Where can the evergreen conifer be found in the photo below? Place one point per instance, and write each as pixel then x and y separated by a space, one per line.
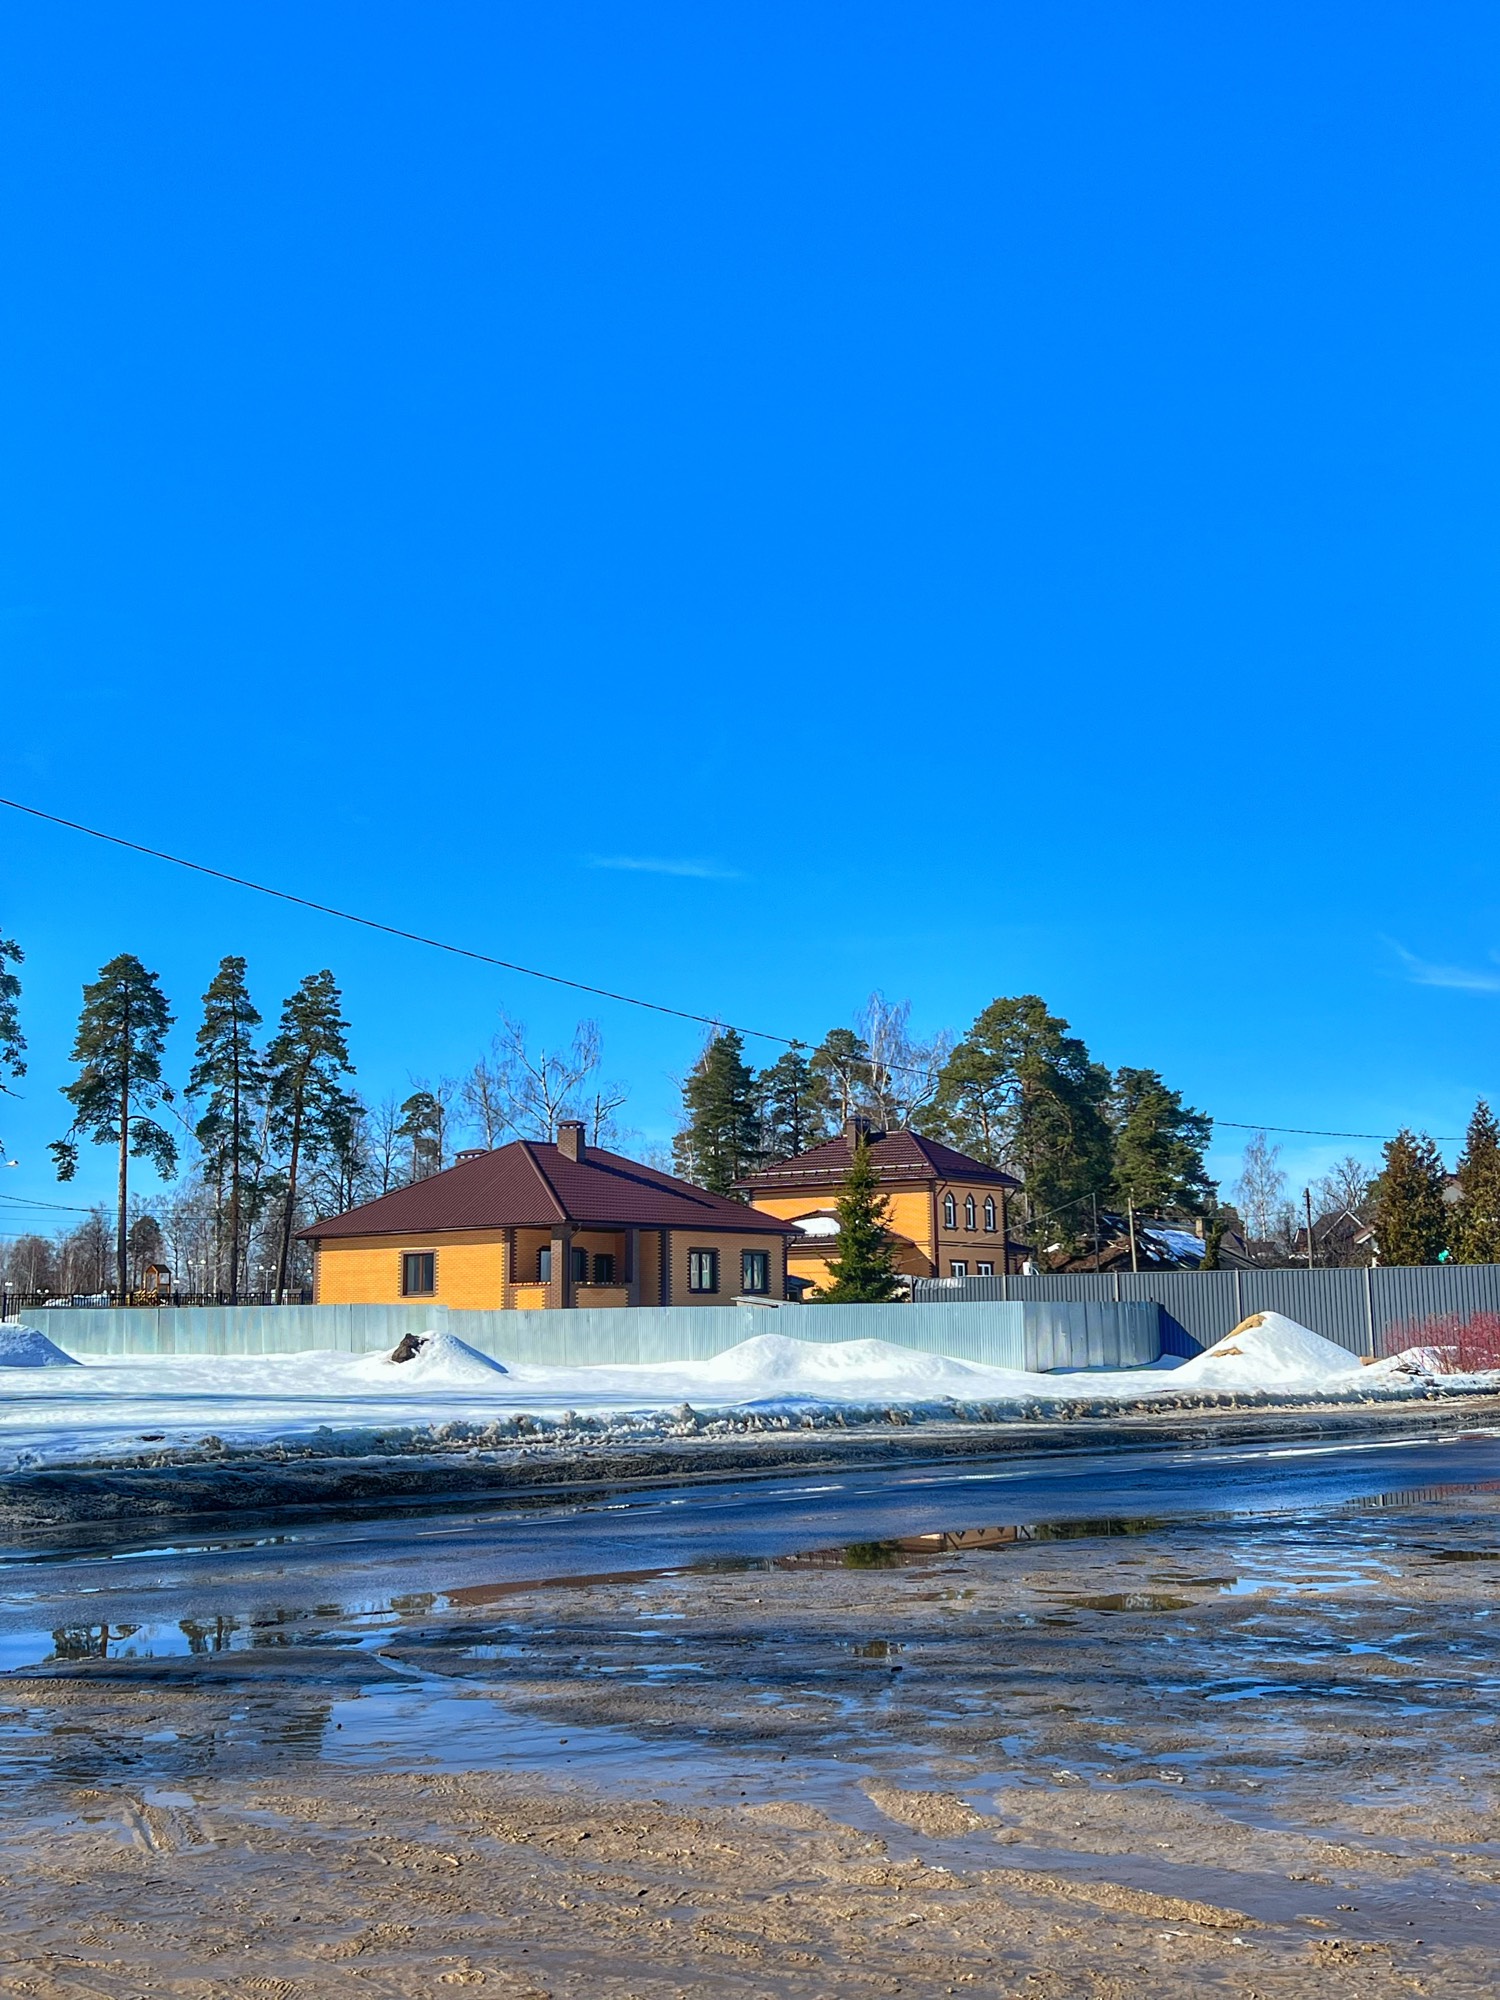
pixel 864 1271
pixel 1475 1230
pixel 720 1141
pixel 1159 1145
pixel 12 1041
pixel 790 1107
pixel 306 1101
pixel 229 1080
pixel 122 1033
pixel 1411 1217
pixel 424 1128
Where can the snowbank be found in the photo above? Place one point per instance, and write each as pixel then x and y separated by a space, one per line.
pixel 443 1362
pixel 26 1347
pixel 109 1408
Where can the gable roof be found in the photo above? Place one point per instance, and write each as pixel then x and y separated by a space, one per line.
pixel 529 1185
pixel 895 1156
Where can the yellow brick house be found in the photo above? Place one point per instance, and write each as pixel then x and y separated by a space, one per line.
pixel 948 1212
pixel 535 1225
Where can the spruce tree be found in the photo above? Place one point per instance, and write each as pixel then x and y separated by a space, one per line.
pixel 12 1041
pixel 864 1271
pixel 790 1107
pixel 229 1080
pixel 1411 1217
pixel 305 1060
pixel 122 1034
pixel 1475 1226
pixel 720 1141
pixel 1158 1145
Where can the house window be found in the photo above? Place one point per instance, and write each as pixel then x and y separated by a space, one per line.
pixel 703 1270
pixel 580 1265
pixel 755 1271
pixel 969 1212
pixel 544 1265
pixel 989 1214
pixel 604 1267
pixel 958 1268
pixel 418 1274
pixel 984 1270
pixel 950 1212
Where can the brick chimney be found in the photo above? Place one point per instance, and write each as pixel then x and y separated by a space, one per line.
pixel 570 1138
pixel 857 1126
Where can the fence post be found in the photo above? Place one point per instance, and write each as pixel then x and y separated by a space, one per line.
pixel 1370 1308
pixel 1239 1297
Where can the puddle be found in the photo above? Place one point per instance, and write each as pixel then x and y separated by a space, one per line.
pixel 1131 1600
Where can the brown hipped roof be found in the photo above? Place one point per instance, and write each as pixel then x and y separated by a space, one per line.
pixel 529 1185
pixel 895 1156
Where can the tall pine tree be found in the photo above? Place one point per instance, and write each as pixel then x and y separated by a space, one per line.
pixel 840 1067
pixel 423 1127
pixel 720 1141
pixel 864 1271
pixel 12 1041
pixel 1411 1217
pixel 229 1080
pixel 121 1037
pixel 1475 1222
pixel 791 1111
pixel 1158 1146
pixel 1020 1092
pixel 305 1060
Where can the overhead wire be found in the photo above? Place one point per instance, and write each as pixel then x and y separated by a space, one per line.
pixel 556 978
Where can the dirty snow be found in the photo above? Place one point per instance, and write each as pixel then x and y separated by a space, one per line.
pixel 104 1408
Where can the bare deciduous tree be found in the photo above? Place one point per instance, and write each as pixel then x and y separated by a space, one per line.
pixel 1346 1185
pixel 903 1073
pixel 524 1092
pixel 1260 1191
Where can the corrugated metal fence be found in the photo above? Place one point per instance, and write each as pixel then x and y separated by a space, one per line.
pixel 1368 1311
pixel 1037 1334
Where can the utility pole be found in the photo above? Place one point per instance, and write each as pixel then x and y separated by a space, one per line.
pixel 1135 1262
pixel 1094 1204
pixel 1307 1205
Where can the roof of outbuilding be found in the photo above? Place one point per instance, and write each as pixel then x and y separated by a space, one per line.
pixel 531 1185
pixel 895 1156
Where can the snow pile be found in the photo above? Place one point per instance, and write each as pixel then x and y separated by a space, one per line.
pixel 773 1365
pixel 26 1347
pixel 1269 1353
pixel 443 1362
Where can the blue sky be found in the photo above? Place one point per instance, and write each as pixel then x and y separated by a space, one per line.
pixel 750 504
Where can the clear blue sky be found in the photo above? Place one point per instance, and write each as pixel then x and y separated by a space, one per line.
pixel 967 499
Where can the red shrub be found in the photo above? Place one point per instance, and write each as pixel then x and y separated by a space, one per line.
pixel 1464 1345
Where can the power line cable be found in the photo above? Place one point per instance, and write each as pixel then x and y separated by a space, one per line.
pixel 557 978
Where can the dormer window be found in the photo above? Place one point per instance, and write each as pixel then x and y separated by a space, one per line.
pixel 989 1213
pixel 950 1212
pixel 969 1216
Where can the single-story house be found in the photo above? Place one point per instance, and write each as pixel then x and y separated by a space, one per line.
pixel 532 1225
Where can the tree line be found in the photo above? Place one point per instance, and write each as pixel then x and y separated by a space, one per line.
pixel 1019 1090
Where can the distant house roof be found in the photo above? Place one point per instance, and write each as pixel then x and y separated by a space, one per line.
pixel 531 1185
pixel 895 1156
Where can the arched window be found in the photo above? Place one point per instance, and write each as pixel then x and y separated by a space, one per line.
pixel 968 1211
pixel 950 1212
pixel 989 1213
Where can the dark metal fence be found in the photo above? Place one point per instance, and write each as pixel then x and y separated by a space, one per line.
pixel 12 1303
pixel 1370 1311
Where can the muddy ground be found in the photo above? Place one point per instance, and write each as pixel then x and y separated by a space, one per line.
pixel 1105 1759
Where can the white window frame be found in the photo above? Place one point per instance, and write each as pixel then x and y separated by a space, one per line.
pixel 989 1215
pixel 958 1267
pixel 950 1212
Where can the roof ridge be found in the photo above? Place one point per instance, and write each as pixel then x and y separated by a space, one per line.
pixel 529 1154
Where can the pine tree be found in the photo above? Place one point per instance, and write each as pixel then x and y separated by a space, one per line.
pixel 790 1107
pixel 122 1033
pixel 1020 1092
pixel 1475 1229
pixel 229 1079
pixel 840 1067
pixel 720 1141
pixel 424 1128
pixel 864 1272
pixel 1411 1217
pixel 305 1060
pixel 1159 1146
pixel 12 1041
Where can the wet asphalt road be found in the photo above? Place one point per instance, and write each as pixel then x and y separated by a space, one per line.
pixel 139 1596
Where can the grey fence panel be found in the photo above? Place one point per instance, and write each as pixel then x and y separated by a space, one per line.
pixel 1033 1335
pixel 1366 1311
